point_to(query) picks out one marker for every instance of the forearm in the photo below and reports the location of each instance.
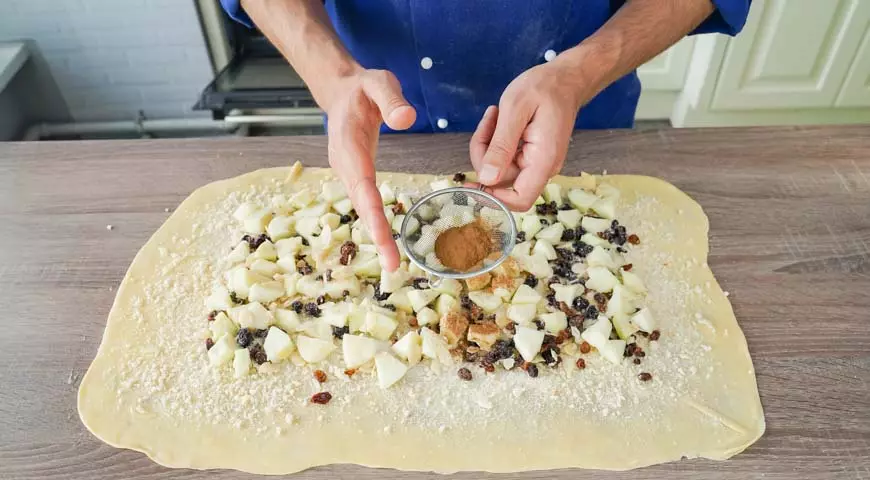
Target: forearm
(639, 31)
(302, 32)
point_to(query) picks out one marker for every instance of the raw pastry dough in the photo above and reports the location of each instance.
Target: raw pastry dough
(149, 388)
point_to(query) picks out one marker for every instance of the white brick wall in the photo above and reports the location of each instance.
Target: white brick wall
(112, 58)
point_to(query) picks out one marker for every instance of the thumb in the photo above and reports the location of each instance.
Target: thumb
(382, 87)
(502, 149)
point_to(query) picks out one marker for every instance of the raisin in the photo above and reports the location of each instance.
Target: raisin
(565, 206)
(654, 335)
(345, 293)
(567, 235)
(303, 267)
(475, 313)
(539, 324)
(563, 336)
(487, 367)
(378, 295)
(627, 267)
(396, 236)
(465, 302)
(551, 356)
(521, 237)
(639, 353)
(546, 208)
(420, 283)
(500, 350)
(328, 275)
(321, 398)
(209, 343)
(645, 377)
(244, 337)
(511, 327)
(320, 376)
(321, 300)
(576, 321)
(344, 219)
(348, 252)
(532, 370)
(591, 312)
(389, 306)
(636, 361)
(398, 208)
(339, 332)
(296, 306)
(305, 242)
(582, 248)
(350, 372)
(211, 315)
(459, 177)
(312, 309)
(633, 239)
(261, 333)
(412, 322)
(585, 347)
(464, 374)
(580, 304)
(237, 299)
(629, 350)
(531, 281)
(581, 363)
(544, 221)
(255, 242)
(471, 357)
(258, 355)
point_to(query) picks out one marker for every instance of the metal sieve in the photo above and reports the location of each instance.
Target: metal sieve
(454, 207)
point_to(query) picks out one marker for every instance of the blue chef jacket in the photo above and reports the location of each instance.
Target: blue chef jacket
(474, 48)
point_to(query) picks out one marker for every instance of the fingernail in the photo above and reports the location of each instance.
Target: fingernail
(488, 174)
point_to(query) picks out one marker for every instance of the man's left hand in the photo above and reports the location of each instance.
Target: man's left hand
(519, 145)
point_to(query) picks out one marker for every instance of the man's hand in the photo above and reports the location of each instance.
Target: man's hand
(521, 143)
(363, 101)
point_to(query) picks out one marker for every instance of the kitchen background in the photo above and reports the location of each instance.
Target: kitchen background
(131, 68)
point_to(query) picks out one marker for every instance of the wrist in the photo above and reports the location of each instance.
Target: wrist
(333, 80)
(587, 69)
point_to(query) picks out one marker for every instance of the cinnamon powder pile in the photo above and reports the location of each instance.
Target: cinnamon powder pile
(463, 248)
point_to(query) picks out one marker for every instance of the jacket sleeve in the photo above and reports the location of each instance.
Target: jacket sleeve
(729, 17)
(235, 11)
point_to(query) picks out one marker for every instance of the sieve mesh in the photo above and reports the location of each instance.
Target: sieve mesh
(454, 207)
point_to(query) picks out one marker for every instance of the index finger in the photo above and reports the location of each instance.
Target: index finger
(530, 182)
(351, 153)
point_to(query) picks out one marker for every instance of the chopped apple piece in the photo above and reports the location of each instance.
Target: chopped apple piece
(598, 333)
(280, 227)
(290, 282)
(633, 282)
(478, 282)
(314, 211)
(606, 190)
(427, 316)
(390, 370)
(266, 292)
(426, 244)
(440, 184)
(600, 257)
(594, 240)
(569, 218)
(644, 320)
(531, 225)
(595, 225)
(623, 327)
(435, 346)
(392, 281)
(302, 198)
(581, 199)
(379, 325)
(389, 214)
(606, 207)
(366, 266)
(241, 362)
(522, 249)
(567, 293)
(222, 350)
(308, 227)
(242, 279)
(252, 315)
(539, 200)
(256, 222)
(239, 254)
(552, 234)
(343, 207)
(537, 265)
(452, 327)
(222, 325)
(554, 322)
(288, 247)
(545, 249)
(484, 334)
(487, 301)
(309, 286)
(264, 267)
(360, 235)
(387, 193)
(526, 294)
(449, 286)
(316, 329)
(356, 319)
(410, 348)
(522, 314)
(337, 287)
(341, 234)
(420, 299)
(335, 314)
(553, 193)
(444, 305)
(330, 220)
(622, 301)
(288, 320)
(399, 299)
(332, 191)
(528, 342)
(358, 350)
(587, 181)
(277, 345)
(266, 251)
(219, 299)
(313, 350)
(612, 350)
(600, 279)
(244, 211)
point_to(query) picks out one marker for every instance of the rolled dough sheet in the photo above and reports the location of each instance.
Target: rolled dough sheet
(151, 389)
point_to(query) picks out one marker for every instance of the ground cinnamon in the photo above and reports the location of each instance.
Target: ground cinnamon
(463, 248)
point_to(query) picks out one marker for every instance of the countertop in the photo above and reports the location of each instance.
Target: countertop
(789, 212)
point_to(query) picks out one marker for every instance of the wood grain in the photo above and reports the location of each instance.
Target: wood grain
(790, 238)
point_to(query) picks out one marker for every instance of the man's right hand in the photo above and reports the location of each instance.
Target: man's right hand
(359, 104)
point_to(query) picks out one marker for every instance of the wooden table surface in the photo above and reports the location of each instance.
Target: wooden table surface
(789, 211)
